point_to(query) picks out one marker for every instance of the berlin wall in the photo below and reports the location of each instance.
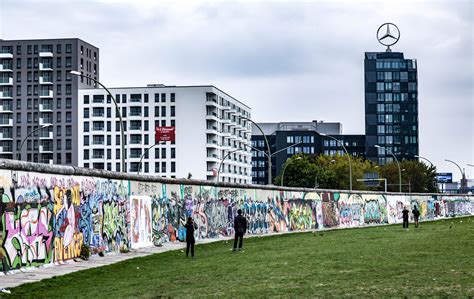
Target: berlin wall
(48, 212)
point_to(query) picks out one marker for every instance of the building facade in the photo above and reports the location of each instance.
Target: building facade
(391, 107)
(37, 91)
(306, 138)
(209, 126)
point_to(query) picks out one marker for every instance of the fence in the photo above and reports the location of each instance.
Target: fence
(48, 212)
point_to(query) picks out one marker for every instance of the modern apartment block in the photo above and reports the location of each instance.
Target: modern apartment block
(209, 126)
(38, 96)
(391, 106)
(307, 136)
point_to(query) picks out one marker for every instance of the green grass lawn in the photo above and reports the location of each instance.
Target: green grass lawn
(437, 259)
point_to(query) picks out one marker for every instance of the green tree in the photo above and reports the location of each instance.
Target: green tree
(416, 176)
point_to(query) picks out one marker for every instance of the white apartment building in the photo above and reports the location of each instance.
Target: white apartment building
(209, 124)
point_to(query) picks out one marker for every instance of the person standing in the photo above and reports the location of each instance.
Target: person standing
(416, 216)
(190, 228)
(405, 213)
(240, 227)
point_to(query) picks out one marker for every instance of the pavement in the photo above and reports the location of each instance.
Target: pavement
(15, 278)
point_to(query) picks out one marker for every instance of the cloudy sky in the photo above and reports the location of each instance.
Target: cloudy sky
(289, 61)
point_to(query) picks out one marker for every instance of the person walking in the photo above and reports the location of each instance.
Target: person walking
(416, 216)
(240, 227)
(405, 213)
(190, 228)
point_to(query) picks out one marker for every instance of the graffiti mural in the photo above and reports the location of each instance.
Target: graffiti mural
(48, 218)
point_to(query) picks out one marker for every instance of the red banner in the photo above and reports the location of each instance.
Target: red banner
(164, 134)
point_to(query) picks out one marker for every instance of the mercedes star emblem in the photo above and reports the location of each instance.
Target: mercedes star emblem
(388, 34)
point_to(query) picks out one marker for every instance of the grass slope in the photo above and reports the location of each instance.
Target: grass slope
(436, 259)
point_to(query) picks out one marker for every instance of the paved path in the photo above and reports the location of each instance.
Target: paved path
(33, 274)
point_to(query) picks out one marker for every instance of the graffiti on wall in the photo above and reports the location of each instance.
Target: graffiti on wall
(46, 218)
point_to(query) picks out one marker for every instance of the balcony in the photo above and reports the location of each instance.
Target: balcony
(6, 55)
(135, 128)
(45, 54)
(45, 108)
(7, 67)
(6, 122)
(6, 81)
(6, 136)
(45, 80)
(98, 128)
(213, 158)
(6, 108)
(46, 94)
(6, 150)
(45, 149)
(45, 121)
(45, 66)
(211, 130)
(5, 94)
(98, 156)
(46, 135)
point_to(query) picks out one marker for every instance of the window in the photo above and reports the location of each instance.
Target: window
(86, 126)
(163, 97)
(163, 109)
(172, 111)
(157, 111)
(380, 86)
(163, 153)
(172, 97)
(411, 86)
(380, 76)
(388, 75)
(163, 166)
(68, 61)
(173, 153)
(68, 144)
(68, 117)
(68, 48)
(403, 76)
(86, 140)
(173, 166)
(68, 90)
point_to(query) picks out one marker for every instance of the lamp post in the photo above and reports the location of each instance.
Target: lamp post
(144, 153)
(432, 165)
(222, 161)
(463, 175)
(28, 135)
(348, 156)
(122, 129)
(284, 168)
(268, 149)
(399, 169)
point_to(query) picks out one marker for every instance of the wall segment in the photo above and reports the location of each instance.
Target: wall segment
(48, 212)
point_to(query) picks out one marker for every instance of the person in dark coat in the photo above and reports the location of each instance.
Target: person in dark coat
(405, 213)
(190, 228)
(240, 227)
(416, 216)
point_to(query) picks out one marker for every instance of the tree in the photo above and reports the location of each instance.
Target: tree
(416, 176)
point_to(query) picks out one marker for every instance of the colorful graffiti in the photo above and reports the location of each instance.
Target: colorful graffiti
(46, 218)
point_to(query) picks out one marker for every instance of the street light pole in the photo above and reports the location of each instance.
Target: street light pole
(463, 175)
(122, 128)
(268, 149)
(399, 169)
(432, 165)
(348, 156)
(222, 161)
(28, 135)
(144, 153)
(284, 168)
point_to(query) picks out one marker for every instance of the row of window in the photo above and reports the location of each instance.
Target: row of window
(395, 64)
(34, 104)
(134, 98)
(396, 76)
(396, 139)
(45, 158)
(35, 49)
(160, 167)
(134, 125)
(33, 76)
(396, 97)
(48, 145)
(394, 86)
(396, 118)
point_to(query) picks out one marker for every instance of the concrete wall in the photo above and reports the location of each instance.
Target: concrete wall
(47, 212)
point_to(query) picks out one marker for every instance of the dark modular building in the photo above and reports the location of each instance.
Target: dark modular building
(391, 107)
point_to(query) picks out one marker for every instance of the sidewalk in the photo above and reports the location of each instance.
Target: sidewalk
(33, 274)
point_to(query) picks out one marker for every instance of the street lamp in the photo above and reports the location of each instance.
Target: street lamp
(222, 161)
(144, 153)
(284, 168)
(122, 129)
(348, 156)
(28, 135)
(432, 165)
(398, 164)
(268, 149)
(463, 178)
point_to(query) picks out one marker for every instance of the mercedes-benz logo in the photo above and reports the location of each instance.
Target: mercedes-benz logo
(388, 34)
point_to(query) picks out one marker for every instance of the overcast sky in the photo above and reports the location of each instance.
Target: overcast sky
(288, 61)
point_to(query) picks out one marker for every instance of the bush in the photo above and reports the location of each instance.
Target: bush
(85, 252)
